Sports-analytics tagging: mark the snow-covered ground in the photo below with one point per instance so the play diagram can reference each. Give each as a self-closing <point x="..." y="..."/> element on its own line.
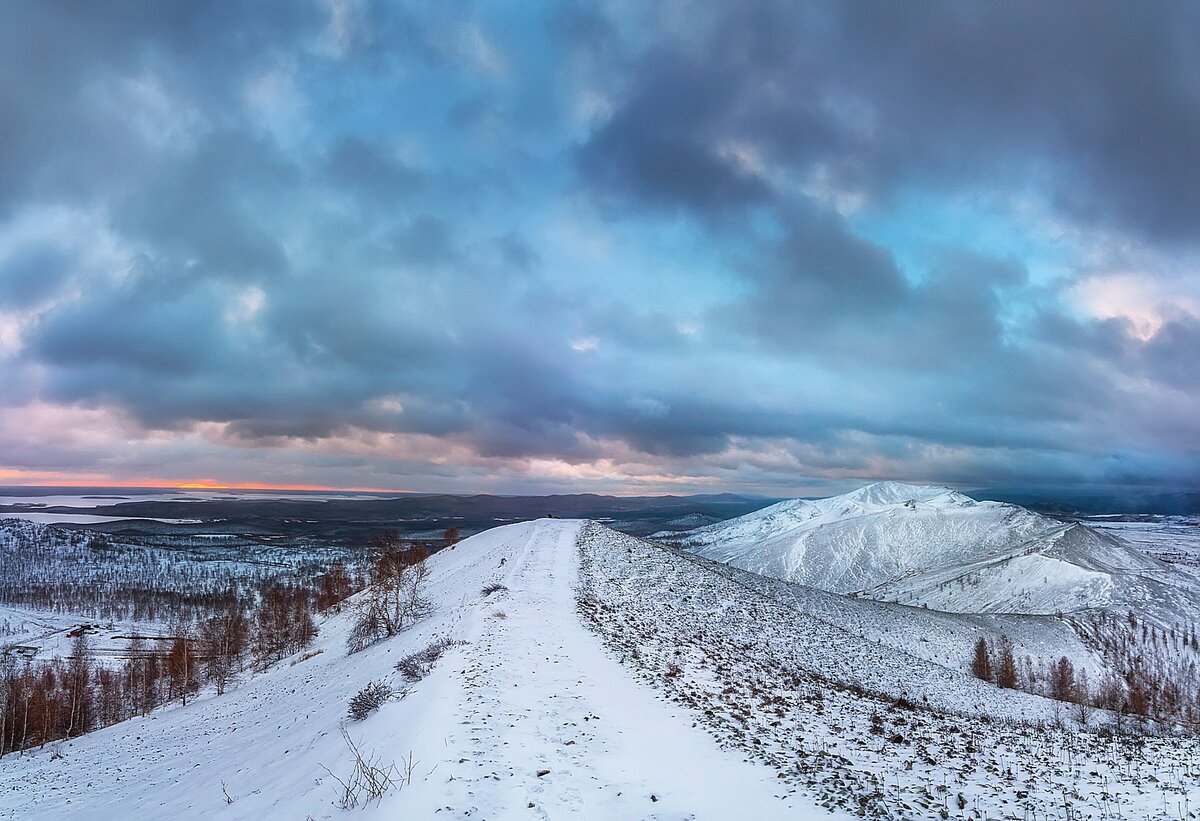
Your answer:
<point x="42" y="634"/>
<point x="91" y="578"/>
<point x="612" y="678"/>
<point x="855" y="720"/>
<point x="1174" y="539"/>
<point x="531" y="690"/>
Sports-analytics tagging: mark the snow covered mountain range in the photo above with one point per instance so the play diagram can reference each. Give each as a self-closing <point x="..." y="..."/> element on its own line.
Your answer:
<point x="934" y="547"/>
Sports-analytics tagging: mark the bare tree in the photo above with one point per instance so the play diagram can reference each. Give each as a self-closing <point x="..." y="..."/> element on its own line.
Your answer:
<point x="78" y="685"/>
<point x="181" y="664"/>
<point x="334" y="588"/>
<point x="1083" y="698"/>
<point x="223" y="641"/>
<point x="392" y="600"/>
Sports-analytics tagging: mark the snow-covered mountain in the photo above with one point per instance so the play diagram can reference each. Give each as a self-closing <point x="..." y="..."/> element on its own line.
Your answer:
<point x="933" y="546"/>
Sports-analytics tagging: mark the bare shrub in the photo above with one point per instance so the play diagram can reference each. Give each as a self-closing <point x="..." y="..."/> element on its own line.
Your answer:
<point x="369" y="699"/>
<point x="493" y="588"/>
<point x="309" y="655"/>
<point x="418" y="665"/>
<point x="370" y="780"/>
<point x="392" y="601"/>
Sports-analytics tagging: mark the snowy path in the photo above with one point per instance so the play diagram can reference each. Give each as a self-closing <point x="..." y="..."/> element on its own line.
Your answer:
<point x="540" y="693"/>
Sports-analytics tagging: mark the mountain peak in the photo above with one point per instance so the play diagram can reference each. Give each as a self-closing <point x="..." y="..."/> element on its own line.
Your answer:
<point x="895" y="493"/>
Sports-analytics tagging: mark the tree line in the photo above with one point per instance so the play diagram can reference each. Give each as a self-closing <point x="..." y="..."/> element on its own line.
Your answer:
<point x="45" y="701"/>
<point x="1152" y="677"/>
<point x="220" y="639"/>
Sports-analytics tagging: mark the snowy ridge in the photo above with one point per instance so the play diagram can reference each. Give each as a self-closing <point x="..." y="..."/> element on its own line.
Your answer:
<point x="605" y="677"/>
<point x="934" y="547"/>
<point x="530" y="690"/>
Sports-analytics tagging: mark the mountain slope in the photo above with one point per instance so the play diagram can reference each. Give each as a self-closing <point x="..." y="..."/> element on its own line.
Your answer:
<point x="932" y="546"/>
<point x="853" y="717"/>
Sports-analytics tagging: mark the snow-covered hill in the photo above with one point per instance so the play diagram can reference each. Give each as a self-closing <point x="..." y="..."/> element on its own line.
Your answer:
<point x="836" y="693"/>
<point x="529" y="718"/>
<point x="934" y="547"/>
<point x="604" y="677"/>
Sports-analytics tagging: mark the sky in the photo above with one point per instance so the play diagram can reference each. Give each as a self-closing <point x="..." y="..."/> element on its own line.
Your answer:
<point x="628" y="247"/>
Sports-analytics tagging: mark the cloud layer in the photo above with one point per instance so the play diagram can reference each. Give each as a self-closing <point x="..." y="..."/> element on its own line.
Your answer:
<point x="754" y="246"/>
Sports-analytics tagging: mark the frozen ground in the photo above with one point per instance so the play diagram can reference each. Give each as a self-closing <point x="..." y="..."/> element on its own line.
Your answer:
<point x="530" y="718"/>
<point x="1174" y="539"/>
<point x="42" y="634"/>
<point x="101" y="579"/>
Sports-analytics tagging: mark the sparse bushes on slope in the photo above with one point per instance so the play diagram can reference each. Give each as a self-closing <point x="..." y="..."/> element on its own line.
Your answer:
<point x="370" y="780"/>
<point x="1149" y="686"/>
<point x="757" y="682"/>
<point x="369" y="699"/>
<point x="416" y="666"/>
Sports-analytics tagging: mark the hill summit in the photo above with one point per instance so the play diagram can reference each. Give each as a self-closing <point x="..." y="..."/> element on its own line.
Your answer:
<point x="933" y="546"/>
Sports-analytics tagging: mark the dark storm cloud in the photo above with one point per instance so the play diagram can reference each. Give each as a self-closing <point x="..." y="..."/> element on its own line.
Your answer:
<point x="201" y="207"/>
<point x="587" y="237"/>
<point x="147" y="325"/>
<point x="63" y="136"/>
<point x="367" y="171"/>
<point x="1171" y="354"/>
<point x="424" y="241"/>
<point x="31" y="274"/>
<point x="887" y="94"/>
<point x="1107" y="89"/>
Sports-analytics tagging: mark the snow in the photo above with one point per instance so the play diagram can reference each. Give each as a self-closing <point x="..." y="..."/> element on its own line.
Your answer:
<point x="933" y="547"/>
<point x="859" y="540"/>
<point x="854" y="720"/>
<point x="533" y="690"/>
<point x="612" y="678"/>
<point x="539" y="683"/>
<point x="46" y="634"/>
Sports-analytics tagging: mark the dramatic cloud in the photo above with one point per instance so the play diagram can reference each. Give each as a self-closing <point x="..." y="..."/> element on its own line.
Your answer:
<point x="764" y="246"/>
